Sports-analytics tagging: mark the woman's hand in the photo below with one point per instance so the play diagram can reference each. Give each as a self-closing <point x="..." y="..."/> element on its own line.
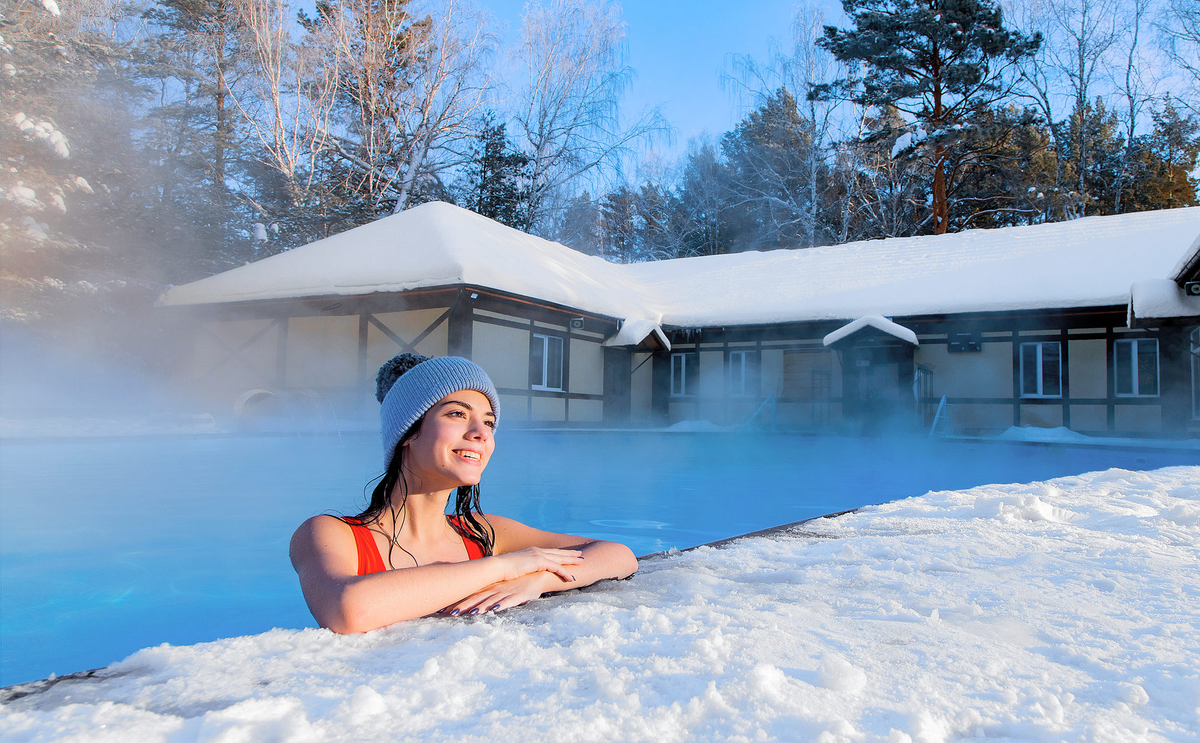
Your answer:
<point x="504" y="595"/>
<point x="537" y="560"/>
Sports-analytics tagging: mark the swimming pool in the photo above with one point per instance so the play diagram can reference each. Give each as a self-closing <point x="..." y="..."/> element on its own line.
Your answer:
<point x="110" y="545"/>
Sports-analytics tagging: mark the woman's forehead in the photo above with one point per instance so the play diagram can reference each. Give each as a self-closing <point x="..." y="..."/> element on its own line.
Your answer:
<point x="473" y="398"/>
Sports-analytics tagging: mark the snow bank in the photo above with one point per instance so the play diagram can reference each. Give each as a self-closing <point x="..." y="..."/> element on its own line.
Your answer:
<point x="1055" y="611"/>
<point x="1063" y="435"/>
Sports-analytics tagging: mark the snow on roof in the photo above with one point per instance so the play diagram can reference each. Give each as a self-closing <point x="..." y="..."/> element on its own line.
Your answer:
<point x="432" y="245"/>
<point x="1160" y="299"/>
<point x="1082" y="263"/>
<point x="882" y="324"/>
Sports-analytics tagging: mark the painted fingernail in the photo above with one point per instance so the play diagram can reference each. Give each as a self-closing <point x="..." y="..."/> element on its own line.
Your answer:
<point x="572" y="577"/>
<point x="494" y="607"/>
<point x="474" y="611"/>
<point x="454" y="613"/>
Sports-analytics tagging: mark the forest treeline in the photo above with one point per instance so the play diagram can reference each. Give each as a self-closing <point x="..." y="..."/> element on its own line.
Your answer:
<point x="153" y="142"/>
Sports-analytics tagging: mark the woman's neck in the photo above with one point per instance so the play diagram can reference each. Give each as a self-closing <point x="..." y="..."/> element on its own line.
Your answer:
<point x="420" y="516"/>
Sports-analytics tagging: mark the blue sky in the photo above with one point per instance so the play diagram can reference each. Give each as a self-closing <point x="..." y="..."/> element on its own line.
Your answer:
<point x="678" y="48"/>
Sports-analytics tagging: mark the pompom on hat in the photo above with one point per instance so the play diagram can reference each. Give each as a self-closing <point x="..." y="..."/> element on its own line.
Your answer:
<point x="409" y="384"/>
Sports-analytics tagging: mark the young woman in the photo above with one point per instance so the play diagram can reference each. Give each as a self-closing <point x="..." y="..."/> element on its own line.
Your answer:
<point x="404" y="557"/>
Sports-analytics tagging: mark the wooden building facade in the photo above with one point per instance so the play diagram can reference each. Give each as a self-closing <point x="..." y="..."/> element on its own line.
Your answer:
<point x="607" y="355"/>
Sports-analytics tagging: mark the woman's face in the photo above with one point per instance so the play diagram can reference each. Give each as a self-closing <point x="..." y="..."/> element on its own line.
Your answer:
<point x="454" y="444"/>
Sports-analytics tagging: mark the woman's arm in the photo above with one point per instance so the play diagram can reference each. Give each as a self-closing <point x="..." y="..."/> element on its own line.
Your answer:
<point x="324" y="555"/>
<point x="600" y="560"/>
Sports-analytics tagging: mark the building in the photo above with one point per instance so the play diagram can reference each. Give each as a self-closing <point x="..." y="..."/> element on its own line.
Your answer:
<point x="1085" y="324"/>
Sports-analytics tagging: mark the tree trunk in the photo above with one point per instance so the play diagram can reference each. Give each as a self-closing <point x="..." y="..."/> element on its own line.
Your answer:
<point x="941" y="209"/>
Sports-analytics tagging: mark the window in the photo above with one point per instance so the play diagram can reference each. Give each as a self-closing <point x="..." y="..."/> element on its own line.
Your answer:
<point x="743" y="373"/>
<point x="1136" y="367"/>
<point x="683" y="374"/>
<point x="1194" y="347"/>
<point x="1041" y="369"/>
<point x="546" y="362"/>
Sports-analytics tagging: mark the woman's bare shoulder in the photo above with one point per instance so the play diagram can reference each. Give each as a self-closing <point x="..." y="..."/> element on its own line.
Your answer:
<point x="321" y="535"/>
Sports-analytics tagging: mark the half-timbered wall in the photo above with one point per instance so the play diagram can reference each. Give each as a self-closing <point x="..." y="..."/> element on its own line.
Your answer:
<point x="798" y="383"/>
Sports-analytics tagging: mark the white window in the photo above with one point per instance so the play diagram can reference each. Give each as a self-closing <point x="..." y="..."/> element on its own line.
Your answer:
<point x="742" y="368"/>
<point x="546" y="362"/>
<point x="683" y="374"/>
<point x="1135" y="365"/>
<point x="1195" y="353"/>
<point x="1041" y="369"/>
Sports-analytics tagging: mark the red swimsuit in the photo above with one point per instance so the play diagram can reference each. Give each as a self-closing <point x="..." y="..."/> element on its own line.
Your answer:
<point x="369" y="559"/>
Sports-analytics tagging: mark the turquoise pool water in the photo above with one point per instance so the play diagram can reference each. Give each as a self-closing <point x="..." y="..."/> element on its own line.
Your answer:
<point x="108" y="546"/>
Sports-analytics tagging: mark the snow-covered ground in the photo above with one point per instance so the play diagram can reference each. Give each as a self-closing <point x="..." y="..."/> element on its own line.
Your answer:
<point x="1060" y="610"/>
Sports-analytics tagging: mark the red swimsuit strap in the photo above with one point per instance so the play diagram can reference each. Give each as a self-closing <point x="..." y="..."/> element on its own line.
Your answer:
<point x="474" y="549"/>
<point x="369" y="559"/>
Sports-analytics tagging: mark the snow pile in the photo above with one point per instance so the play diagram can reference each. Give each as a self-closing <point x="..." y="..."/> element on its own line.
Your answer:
<point x="1064" y="435"/>
<point x="1057" y="611"/>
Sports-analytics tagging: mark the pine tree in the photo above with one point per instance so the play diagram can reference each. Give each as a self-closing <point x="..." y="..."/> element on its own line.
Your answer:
<point x="496" y="182"/>
<point x="768" y="157"/>
<point x="938" y="61"/>
<point x="1169" y="158"/>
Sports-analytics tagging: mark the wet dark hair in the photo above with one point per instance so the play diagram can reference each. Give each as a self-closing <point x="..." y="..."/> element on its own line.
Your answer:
<point x="472" y="523"/>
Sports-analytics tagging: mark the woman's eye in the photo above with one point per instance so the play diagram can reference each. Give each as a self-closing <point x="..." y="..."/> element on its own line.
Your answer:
<point x="490" y="423"/>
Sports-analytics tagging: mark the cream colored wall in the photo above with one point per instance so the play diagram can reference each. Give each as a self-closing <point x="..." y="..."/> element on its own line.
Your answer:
<point x="1041" y="416"/>
<point x="987" y="373"/>
<point x="549" y="409"/>
<point x="681" y="411"/>
<point x="642" y="389"/>
<point x="587" y="368"/>
<point x="1138" y="418"/>
<point x="322" y="352"/>
<point x="216" y="373"/>
<point x="712" y="374"/>
<point x="969" y="417"/>
<point x="514" y="408"/>
<point x="1088" y="365"/>
<point x="407" y="325"/>
<point x="771" y="368"/>
<point x="1089" y="418"/>
<point x="503" y="353"/>
<point x="587" y="411"/>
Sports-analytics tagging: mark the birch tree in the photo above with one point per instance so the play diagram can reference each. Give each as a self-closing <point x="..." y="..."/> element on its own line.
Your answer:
<point x="410" y="87"/>
<point x="573" y="77"/>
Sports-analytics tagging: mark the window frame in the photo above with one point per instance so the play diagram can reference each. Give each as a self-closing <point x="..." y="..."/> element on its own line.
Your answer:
<point x="1039" y="394"/>
<point x="546" y="340"/>
<point x="748" y="368"/>
<point x="685" y="374"/>
<point x="1136" y="392"/>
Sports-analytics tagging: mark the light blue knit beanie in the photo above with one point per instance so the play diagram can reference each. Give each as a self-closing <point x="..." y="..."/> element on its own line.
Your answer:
<point x="409" y="384"/>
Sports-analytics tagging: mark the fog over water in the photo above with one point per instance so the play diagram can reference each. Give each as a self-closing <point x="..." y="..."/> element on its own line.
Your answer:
<point x="110" y="544"/>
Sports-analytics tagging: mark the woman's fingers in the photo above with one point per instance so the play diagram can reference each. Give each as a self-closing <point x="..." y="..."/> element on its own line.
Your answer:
<point x="537" y="559"/>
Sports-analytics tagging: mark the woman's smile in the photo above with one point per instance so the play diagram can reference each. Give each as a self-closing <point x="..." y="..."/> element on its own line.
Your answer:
<point x="455" y="441"/>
